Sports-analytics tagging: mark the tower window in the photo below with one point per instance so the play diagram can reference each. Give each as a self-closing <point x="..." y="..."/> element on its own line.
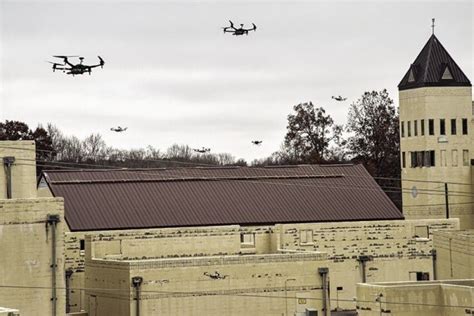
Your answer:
<point x="403" y="129"/>
<point x="431" y="127"/>
<point x="443" y="158"/>
<point x="454" y="157"/>
<point x="82" y="244"/>
<point x="453" y="126"/>
<point x="447" y="74"/>
<point x="422" y="158"/>
<point x="442" y="127"/>
<point x="415" y="128"/>
<point x="465" y="157"/>
<point x="413" y="159"/>
<point x="409" y="128"/>
<point x="422" y="127"/>
<point x="432" y="158"/>
<point x="411" y="76"/>
<point x="464" y="126"/>
<point x="404" y="160"/>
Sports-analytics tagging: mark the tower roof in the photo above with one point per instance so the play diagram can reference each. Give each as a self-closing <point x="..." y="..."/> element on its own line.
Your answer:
<point x="433" y="67"/>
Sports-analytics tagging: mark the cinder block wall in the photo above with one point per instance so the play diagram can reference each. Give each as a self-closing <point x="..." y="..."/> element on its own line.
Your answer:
<point x="23" y="169"/>
<point x="26" y="255"/>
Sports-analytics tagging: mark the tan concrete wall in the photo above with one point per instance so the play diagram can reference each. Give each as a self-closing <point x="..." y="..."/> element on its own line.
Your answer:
<point x="393" y="246"/>
<point x="159" y="243"/>
<point x="250" y="285"/>
<point x="441" y="298"/>
<point x="455" y="254"/>
<point x="395" y="249"/>
<point x="25" y="255"/>
<point x="438" y="103"/>
<point x="23" y="169"/>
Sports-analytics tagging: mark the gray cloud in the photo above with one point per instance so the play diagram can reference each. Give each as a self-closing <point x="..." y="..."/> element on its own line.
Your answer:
<point x="172" y="76"/>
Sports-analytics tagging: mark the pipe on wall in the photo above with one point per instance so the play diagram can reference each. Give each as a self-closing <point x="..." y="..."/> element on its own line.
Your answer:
<point x="136" y="283"/>
<point x="7" y="163"/>
<point x="363" y="259"/>
<point x="323" y="272"/>
<point x="52" y="220"/>
<point x="68" y="273"/>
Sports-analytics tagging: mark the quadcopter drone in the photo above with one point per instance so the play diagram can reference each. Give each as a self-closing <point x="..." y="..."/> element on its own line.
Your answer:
<point x="215" y="276"/>
<point x="339" y="98"/>
<point x="118" y="129"/>
<point x="257" y="142"/>
<point x="202" y="150"/>
<point x="238" y="31"/>
<point x="77" y="69"/>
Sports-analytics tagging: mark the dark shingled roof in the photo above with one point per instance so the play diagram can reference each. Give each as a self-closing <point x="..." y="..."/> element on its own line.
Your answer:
<point x="147" y="198"/>
<point x="428" y="68"/>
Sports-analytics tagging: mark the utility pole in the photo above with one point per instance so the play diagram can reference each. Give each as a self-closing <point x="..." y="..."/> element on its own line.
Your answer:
<point x="446" y="195"/>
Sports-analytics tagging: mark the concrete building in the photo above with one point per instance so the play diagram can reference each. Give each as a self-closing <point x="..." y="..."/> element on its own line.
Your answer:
<point x="288" y="240"/>
<point x="441" y="298"/>
<point x="144" y="218"/>
<point x="437" y="137"/>
<point x="31" y="237"/>
<point x="454" y="254"/>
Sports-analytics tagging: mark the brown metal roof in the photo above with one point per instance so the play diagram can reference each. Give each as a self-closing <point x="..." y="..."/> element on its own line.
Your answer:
<point x="125" y="198"/>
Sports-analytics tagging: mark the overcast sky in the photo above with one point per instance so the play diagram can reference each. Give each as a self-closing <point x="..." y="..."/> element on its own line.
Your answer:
<point x="172" y="76"/>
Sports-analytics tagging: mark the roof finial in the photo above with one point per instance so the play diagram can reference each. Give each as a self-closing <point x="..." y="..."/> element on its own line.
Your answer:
<point x="432" y="24"/>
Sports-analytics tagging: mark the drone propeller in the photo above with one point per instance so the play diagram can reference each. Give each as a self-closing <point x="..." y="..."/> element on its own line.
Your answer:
<point x="63" y="56"/>
<point x="254" y="27"/>
<point x="102" y="62"/>
<point x="54" y="65"/>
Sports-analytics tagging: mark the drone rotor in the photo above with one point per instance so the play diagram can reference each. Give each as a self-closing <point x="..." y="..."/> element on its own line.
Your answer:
<point x="102" y="63"/>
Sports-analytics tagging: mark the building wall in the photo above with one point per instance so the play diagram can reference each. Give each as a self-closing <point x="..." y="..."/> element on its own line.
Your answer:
<point x="248" y="285"/>
<point x="26" y="255"/>
<point x="23" y="169"/>
<point x="455" y="254"/>
<point x="442" y="298"/>
<point x="158" y="243"/>
<point x="395" y="250"/>
<point x="393" y="246"/>
<point x="429" y="202"/>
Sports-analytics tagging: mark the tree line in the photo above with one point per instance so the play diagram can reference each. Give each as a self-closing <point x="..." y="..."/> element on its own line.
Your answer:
<point x="370" y="137"/>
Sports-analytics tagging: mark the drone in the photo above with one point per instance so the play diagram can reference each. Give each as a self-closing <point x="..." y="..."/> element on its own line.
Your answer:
<point x="339" y="98"/>
<point x="202" y="150"/>
<point x="215" y="276"/>
<point x="77" y="69"/>
<point x="238" y="31"/>
<point x="257" y="142"/>
<point x="118" y="129"/>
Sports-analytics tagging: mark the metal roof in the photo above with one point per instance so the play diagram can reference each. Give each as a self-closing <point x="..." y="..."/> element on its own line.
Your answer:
<point x="428" y="68"/>
<point x="149" y="198"/>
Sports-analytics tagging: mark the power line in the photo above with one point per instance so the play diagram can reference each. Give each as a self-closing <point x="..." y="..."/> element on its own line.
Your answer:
<point x="352" y="187"/>
<point x="377" y="188"/>
<point x="225" y="294"/>
<point x="216" y="165"/>
<point x="128" y="159"/>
